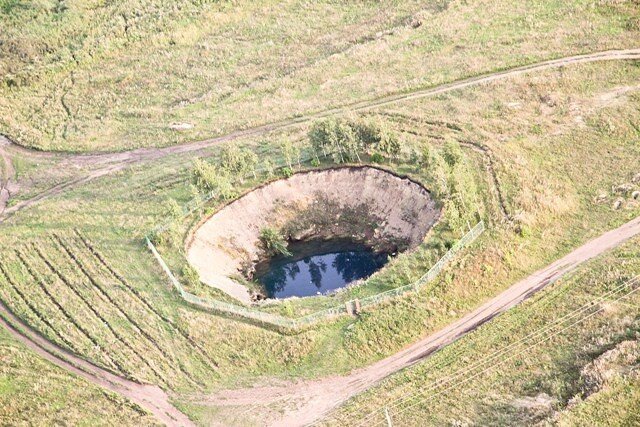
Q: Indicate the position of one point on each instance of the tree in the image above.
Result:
(210, 179)
(290, 152)
(239, 161)
(347, 142)
(196, 198)
(273, 242)
(389, 143)
(346, 139)
(320, 136)
(204, 175)
(267, 166)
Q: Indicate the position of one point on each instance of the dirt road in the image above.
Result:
(149, 397)
(105, 163)
(308, 401)
(7, 186)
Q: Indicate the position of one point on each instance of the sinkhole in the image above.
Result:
(338, 226)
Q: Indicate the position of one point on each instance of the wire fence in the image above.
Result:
(350, 307)
(287, 323)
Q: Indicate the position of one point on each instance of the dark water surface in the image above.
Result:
(317, 267)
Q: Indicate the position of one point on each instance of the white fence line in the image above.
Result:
(314, 318)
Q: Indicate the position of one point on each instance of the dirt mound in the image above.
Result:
(362, 203)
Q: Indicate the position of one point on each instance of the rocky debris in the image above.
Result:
(635, 195)
(622, 360)
(416, 23)
(181, 126)
(623, 189)
(541, 401)
(601, 198)
(636, 178)
(549, 100)
(617, 204)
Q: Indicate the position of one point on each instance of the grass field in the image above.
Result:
(550, 197)
(32, 389)
(89, 76)
(513, 371)
(552, 154)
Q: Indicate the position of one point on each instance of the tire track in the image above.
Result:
(23, 298)
(74, 259)
(149, 397)
(212, 364)
(334, 390)
(7, 173)
(36, 277)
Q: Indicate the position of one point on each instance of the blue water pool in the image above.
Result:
(317, 268)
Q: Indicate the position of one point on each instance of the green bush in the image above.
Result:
(190, 275)
(452, 152)
(345, 139)
(286, 172)
(377, 158)
(273, 242)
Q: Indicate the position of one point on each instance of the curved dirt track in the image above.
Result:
(149, 397)
(318, 397)
(308, 401)
(105, 163)
(6, 187)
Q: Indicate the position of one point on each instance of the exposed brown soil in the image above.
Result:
(359, 203)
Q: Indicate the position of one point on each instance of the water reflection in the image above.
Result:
(310, 274)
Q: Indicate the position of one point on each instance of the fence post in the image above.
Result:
(349, 307)
(387, 417)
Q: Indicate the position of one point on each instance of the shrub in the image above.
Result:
(190, 275)
(377, 158)
(452, 152)
(240, 161)
(426, 159)
(286, 172)
(388, 143)
(273, 242)
(173, 209)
